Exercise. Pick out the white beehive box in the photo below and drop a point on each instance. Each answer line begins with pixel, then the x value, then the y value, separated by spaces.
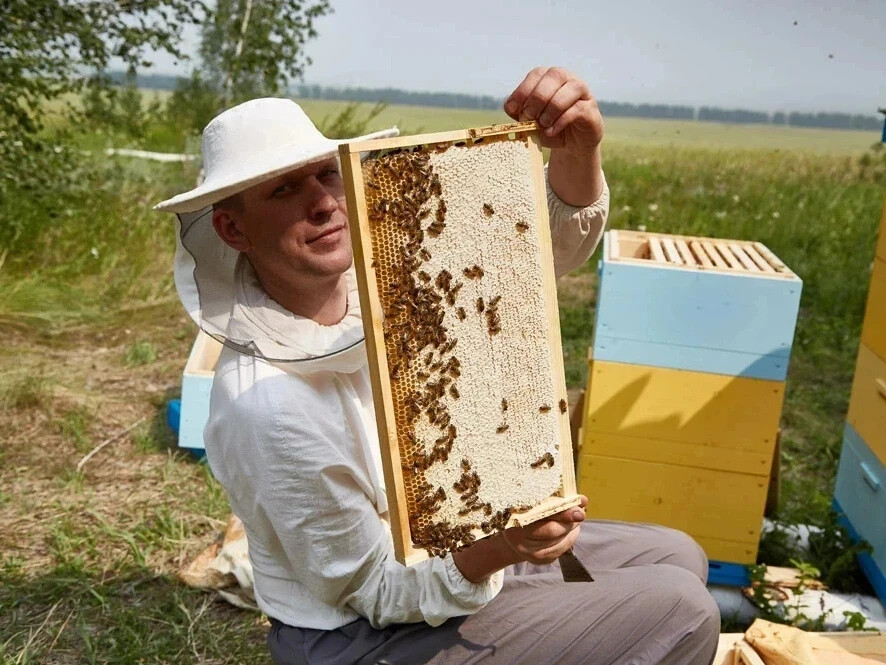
pixel 196 386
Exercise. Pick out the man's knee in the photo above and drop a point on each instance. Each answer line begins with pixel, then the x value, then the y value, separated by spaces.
pixel 693 621
pixel 683 551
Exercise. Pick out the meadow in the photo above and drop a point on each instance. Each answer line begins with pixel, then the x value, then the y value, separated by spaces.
pixel 95 342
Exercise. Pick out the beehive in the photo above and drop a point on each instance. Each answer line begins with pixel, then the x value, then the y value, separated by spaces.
pixel 860 490
pixel 686 385
pixel 453 255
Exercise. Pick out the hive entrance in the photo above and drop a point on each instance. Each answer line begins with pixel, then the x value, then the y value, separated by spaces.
pixel 453 259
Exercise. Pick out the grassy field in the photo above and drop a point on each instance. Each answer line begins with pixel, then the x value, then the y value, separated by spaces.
pixel 649 133
pixel 96 341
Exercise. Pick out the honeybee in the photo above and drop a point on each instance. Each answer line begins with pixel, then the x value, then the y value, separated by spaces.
pixel 522 227
pixel 544 408
pixel 562 405
pixel 488 210
pixel 504 404
pixel 501 428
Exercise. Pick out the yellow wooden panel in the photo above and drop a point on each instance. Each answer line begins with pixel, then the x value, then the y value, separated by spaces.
pixel 881 245
pixel 677 405
pixel 729 550
pixel 873 334
pixel 702 502
pixel 677 452
pixel 867 402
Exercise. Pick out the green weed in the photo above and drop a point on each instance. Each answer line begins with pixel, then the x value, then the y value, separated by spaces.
pixel 140 353
pixel 28 392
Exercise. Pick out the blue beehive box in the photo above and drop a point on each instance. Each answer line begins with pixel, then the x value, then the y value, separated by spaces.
pixel 196 386
pixel 705 305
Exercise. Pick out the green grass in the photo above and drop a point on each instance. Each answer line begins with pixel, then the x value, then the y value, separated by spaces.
pixel 96 340
pixel 648 132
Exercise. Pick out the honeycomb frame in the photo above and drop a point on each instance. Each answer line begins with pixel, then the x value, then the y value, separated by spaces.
pixel 397 209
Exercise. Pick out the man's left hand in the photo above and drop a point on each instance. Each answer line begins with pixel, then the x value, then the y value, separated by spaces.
pixel 563 106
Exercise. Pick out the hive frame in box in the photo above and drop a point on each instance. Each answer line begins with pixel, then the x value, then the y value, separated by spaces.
pixel 406 551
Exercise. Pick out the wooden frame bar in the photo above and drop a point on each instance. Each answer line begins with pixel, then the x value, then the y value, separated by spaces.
pixel 697 253
pixel 373 319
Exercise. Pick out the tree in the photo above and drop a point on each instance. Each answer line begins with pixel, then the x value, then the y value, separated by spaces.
pixel 250 48
pixel 52 47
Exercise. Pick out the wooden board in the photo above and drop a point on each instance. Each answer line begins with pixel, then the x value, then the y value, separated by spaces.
pixel 486 285
pixel 867 401
pixel 873 333
pixel 860 489
pixel 638 247
pixel 704 503
pixel 716 321
pixel 881 242
pixel 691 407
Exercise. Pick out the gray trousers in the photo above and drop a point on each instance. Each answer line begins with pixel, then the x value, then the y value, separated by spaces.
pixel 647 605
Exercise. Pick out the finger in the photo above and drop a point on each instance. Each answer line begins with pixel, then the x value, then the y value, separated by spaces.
pixel 514 103
pixel 548 530
pixel 570 116
pixel 543 92
pixel 569 93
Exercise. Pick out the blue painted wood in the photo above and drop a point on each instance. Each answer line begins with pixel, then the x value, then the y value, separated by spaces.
pixel 693 358
pixel 194 410
pixel 861 492
pixel 736 324
pixel 875 574
pixel 174 414
pixel 728 574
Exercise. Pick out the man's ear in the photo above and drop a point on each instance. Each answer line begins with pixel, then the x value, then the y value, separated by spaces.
pixel 230 229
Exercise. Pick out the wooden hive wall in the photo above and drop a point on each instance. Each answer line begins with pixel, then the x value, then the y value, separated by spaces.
pixel 724 320
pixel 453 256
pixel 860 491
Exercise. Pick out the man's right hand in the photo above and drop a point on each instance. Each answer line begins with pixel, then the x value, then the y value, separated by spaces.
pixel 539 543
pixel 544 541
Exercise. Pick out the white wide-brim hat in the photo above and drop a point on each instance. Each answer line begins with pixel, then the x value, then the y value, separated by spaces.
pixel 253 142
pixel 248 144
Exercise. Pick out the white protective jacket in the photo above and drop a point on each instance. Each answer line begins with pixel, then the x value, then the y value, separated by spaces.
pixel 296 447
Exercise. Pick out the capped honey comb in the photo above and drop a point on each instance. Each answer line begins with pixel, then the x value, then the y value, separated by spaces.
pixel 453 258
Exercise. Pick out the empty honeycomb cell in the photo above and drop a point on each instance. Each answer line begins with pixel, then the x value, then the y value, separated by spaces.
pixel 464 214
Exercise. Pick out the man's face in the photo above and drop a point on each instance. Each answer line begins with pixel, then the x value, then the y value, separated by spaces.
pixel 296 225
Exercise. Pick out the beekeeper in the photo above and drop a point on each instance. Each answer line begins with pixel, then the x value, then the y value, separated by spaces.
pixel 264 264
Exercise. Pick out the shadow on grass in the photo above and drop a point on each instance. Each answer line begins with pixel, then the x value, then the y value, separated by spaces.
pixel 75 616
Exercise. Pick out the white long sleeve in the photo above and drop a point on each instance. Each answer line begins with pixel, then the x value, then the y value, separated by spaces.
pixel 575 232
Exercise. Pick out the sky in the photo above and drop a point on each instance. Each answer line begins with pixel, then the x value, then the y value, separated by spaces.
pixel 781 55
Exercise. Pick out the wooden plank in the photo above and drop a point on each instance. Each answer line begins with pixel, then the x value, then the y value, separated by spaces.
pixel 700 254
pixel 881 242
pixel 714 255
pixel 701 502
pixel 696 455
pixel 724 251
pixel 873 333
pixel 690 407
pixel 642 237
pixel 685 254
pixel 867 401
pixel 373 317
pixel 757 259
pixel 745 654
pixel 687 308
pixel 467 135
pixel 770 258
pixel 670 251
pixel 725 648
pixel 655 250
pixel 859 489
pixel 743 258
pixel 543 228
